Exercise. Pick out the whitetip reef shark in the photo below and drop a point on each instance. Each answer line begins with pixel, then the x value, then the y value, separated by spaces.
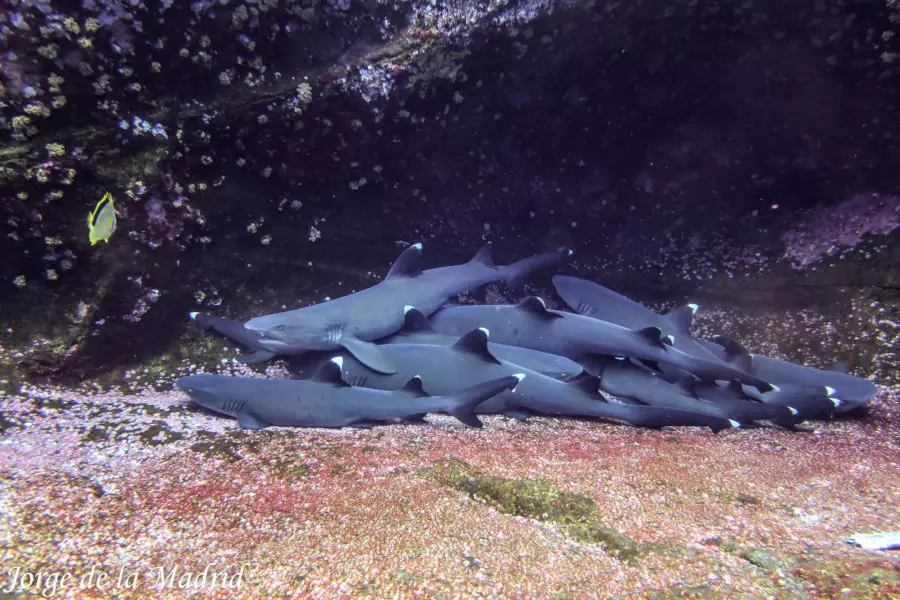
pixel 532 325
pixel 325 400
pixel 354 321
pixel 446 369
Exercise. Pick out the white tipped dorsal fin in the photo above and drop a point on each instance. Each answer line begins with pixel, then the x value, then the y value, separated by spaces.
pixel 408 308
pixel 407 264
pixel 193 315
pixel 734 423
pixel 475 343
pixel 793 410
pixel 829 391
pixel 520 377
pixel 339 361
pixel 694 307
pixel 486 331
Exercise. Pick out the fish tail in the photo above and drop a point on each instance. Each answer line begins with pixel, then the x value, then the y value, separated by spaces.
pixel 514 274
pixel 462 404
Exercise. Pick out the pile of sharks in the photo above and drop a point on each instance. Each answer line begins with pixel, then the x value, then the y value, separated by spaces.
pixel 399 350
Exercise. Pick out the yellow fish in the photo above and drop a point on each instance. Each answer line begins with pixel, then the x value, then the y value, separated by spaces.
pixel 102 220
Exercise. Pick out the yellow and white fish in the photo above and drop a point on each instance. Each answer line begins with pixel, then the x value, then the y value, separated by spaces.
pixel 102 220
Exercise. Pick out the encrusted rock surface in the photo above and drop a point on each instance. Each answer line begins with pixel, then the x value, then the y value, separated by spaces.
pixel 139 483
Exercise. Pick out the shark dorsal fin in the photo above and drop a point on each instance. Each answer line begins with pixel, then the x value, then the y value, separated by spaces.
pixel 653 335
pixel 330 372
pixel 686 385
pixel 484 256
pixel 415 321
pixel 587 385
pixel 475 342
pixel 733 349
pixel 408 264
pixel 537 307
pixel 414 387
pixel 681 318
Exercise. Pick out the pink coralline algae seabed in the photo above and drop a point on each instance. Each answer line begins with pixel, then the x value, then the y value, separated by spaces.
pixel 150 493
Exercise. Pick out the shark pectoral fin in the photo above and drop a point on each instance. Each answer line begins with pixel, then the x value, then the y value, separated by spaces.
pixel 475 343
pixel 255 357
pixel 408 264
pixel 369 354
pixel 248 421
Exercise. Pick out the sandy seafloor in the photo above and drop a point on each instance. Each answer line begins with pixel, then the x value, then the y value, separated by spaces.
pixel 138 484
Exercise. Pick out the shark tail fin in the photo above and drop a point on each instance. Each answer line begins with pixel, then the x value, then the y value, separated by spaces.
pixel 514 275
pixel 462 404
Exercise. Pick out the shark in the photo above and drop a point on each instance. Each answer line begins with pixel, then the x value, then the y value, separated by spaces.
pixel 593 300
pixel 531 324
pixel 326 400
pixel 625 379
pixel 355 321
pixel 445 369
pixel 795 381
pixel 848 390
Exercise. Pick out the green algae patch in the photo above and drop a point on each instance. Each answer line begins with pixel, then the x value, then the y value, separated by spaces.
pixel 290 468
pixel 539 499
pixel 159 434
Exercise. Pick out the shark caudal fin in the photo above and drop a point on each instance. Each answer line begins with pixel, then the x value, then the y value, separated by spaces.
pixel 514 275
pixel 462 404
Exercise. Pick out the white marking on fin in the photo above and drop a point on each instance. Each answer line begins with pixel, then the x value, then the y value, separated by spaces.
pixel 775 388
pixel 485 330
pixel 571 252
pixel 694 308
pixel 417 376
pixel 339 361
pixel 417 246
pixel 408 308
pixel 541 300
pixel 734 423
pixel 829 390
pixel 620 358
pixel 793 410
pixel 836 401
pixel 520 377
pixel 671 339
pixel 193 315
